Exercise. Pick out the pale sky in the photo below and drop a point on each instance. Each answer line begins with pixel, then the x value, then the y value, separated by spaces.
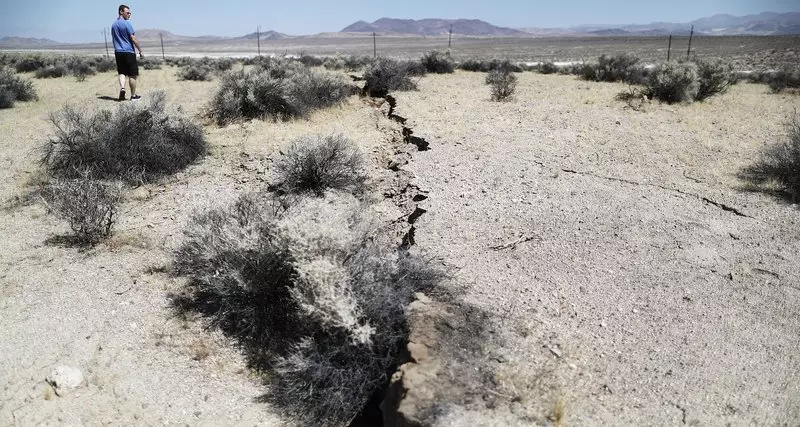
pixel 83 21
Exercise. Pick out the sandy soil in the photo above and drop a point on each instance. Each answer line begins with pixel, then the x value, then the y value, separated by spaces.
pixel 620 291
pixel 625 290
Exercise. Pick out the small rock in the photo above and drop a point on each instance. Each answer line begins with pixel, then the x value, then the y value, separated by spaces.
pixel 64 379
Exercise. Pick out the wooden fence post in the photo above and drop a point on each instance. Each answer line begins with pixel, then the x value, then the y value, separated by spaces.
pixel 669 46
pixel 689 50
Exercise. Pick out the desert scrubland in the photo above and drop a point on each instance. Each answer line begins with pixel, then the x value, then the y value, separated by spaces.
pixel 603 261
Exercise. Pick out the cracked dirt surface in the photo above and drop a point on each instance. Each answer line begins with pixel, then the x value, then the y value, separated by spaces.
pixel 611 280
pixel 631 277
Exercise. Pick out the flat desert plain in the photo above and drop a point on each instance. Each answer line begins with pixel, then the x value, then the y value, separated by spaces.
pixel 624 274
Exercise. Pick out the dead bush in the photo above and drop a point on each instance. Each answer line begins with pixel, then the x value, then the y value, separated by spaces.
pixel 195 72
pixel 276 89
pixel 786 78
pixel 673 82
pixel 714 77
pixel 502 83
pixel 317 164
pixel 617 68
pixel 437 62
pixel 548 68
pixel 309 294
pixel 89 205
pixel 14 88
pixel 779 163
pixel 138 143
pixel 51 72
pixel 385 75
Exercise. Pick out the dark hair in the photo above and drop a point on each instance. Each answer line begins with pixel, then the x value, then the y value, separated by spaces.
pixel 122 7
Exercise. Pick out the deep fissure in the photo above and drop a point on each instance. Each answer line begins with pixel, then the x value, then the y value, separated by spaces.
pixel 372 412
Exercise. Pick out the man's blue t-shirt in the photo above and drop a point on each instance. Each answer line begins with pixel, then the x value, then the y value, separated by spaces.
pixel 121 32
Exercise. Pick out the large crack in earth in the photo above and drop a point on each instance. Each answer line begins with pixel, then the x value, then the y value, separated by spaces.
pixel 406 197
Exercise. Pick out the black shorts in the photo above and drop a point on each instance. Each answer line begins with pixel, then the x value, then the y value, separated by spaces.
pixel 126 64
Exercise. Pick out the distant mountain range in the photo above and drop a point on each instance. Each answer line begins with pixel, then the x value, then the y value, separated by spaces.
pixel 766 23
pixel 432 27
pixel 25 41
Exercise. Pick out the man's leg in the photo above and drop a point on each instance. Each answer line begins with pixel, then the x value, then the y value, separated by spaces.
pixel 122 87
pixel 132 83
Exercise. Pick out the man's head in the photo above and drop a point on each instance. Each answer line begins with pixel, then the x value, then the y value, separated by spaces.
pixel 124 12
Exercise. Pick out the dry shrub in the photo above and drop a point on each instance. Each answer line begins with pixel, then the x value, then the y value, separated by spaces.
pixel 673 82
pixel 138 143
pixel 276 89
pixel 438 62
pixel 317 164
pixel 89 205
pixel 484 66
pixel 714 77
pixel 787 78
pixel 52 71
pixel 195 72
pixel 548 68
pixel 502 84
pixel 779 162
pixel 308 292
pixel 385 75
pixel 14 88
pixel 618 68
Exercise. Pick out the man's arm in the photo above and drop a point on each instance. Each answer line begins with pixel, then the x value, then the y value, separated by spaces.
pixel 136 43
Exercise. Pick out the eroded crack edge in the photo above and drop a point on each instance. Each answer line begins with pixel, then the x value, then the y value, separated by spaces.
pixel 675 190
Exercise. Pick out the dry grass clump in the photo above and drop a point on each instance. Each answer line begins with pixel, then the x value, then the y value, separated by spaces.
pixel 779 163
pixel 309 294
pixel 89 205
pixel 14 88
pixel 438 62
pixel 317 164
pixel 195 72
pixel 786 78
pixel 502 84
pixel 139 142
pixel 484 66
pixel 547 68
pixel 713 78
pixel 385 75
pixel 276 89
pixel 618 68
pixel 51 71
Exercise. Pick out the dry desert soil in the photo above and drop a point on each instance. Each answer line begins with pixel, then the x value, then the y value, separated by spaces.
pixel 613 268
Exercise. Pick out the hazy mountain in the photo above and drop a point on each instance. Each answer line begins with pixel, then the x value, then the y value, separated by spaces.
pixel 25 41
pixel 264 35
pixel 150 34
pixel 767 23
pixel 432 27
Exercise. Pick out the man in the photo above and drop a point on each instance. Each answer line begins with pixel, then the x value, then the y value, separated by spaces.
pixel 124 38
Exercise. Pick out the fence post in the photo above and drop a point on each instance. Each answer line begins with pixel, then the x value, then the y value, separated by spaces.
pixel 258 39
pixel 374 46
pixel 161 36
pixel 105 39
pixel 669 46
pixel 689 50
pixel 450 36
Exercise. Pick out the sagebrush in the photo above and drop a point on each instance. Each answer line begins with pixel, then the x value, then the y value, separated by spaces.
pixel 385 75
pixel 502 83
pixel 14 88
pixel 779 162
pixel 438 62
pixel 315 164
pixel 673 82
pixel 139 142
pixel 309 293
pixel 276 89
pixel 88 205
